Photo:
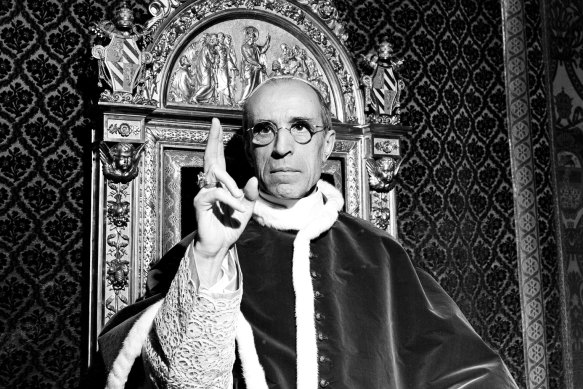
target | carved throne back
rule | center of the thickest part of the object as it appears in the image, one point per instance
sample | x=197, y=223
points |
x=195, y=60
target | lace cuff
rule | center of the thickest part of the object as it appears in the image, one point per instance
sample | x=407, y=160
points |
x=193, y=341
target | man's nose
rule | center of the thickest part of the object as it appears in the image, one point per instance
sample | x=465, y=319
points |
x=283, y=143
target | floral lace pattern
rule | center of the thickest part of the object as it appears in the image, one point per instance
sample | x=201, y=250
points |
x=194, y=341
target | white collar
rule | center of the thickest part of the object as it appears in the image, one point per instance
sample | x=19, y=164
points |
x=297, y=214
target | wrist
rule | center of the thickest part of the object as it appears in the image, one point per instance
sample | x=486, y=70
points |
x=209, y=254
x=208, y=264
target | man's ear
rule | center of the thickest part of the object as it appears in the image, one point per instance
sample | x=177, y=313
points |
x=328, y=146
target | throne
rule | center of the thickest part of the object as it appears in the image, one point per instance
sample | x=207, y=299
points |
x=164, y=81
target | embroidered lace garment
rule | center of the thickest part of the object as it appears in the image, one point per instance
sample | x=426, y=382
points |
x=192, y=343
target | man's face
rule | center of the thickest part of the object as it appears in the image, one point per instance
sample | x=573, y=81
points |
x=285, y=168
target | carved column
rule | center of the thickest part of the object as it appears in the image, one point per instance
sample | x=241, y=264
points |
x=119, y=156
x=382, y=165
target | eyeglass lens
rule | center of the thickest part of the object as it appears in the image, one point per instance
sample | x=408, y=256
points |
x=264, y=132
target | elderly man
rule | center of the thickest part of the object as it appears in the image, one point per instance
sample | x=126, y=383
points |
x=279, y=289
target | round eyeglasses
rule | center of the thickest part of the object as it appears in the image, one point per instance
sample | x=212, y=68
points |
x=263, y=133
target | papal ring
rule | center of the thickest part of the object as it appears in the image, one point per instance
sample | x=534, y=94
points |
x=204, y=183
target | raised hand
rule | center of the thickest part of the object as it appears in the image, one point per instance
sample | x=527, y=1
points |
x=222, y=209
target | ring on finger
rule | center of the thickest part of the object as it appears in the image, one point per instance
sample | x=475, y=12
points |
x=204, y=183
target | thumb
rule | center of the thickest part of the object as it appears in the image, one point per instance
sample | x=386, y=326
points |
x=251, y=190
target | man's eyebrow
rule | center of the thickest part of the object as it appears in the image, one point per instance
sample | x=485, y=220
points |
x=303, y=118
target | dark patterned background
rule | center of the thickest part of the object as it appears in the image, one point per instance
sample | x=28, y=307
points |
x=455, y=199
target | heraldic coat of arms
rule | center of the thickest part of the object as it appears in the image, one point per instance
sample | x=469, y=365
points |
x=121, y=62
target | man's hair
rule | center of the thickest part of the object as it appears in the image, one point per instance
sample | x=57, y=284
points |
x=325, y=112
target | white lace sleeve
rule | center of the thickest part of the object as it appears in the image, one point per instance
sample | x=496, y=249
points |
x=192, y=344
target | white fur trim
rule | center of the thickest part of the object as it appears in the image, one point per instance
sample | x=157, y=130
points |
x=307, y=348
x=311, y=217
x=252, y=369
x=301, y=213
x=306, y=344
x=132, y=348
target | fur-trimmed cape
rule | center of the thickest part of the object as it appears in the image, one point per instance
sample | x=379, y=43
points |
x=357, y=314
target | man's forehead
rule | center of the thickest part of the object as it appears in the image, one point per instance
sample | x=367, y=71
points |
x=283, y=100
x=286, y=94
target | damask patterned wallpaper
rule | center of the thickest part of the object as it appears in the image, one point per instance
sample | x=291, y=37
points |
x=455, y=196
x=455, y=200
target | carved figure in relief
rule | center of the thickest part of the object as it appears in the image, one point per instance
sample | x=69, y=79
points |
x=312, y=72
x=226, y=69
x=182, y=83
x=284, y=59
x=295, y=61
x=276, y=69
x=383, y=85
x=279, y=287
x=205, y=71
x=120, y=162
x=349, y=105
x=253, y=70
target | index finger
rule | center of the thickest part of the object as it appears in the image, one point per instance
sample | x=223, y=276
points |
x=214, y=154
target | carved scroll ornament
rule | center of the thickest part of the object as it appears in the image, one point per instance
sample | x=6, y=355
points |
x=117, y=240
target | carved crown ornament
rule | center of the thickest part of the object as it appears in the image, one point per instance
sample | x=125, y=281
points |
x=212, y=53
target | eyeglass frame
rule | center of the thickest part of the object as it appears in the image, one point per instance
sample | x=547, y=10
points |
x=275, y=130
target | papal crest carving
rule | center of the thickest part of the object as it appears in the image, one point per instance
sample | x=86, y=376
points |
x=122, y=58
x=121, y=62
x=383, y=85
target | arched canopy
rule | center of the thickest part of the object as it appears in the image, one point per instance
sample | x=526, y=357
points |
x=210, y=54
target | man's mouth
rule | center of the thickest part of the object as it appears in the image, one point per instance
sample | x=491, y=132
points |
x=284, y=170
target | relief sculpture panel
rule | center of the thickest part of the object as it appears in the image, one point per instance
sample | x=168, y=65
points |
x=224, y=63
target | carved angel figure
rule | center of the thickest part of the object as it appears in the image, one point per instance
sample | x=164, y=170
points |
x=120, y=162
x=382, y=173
